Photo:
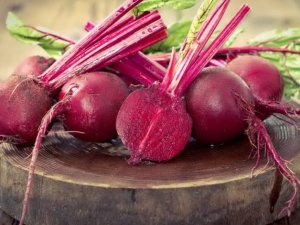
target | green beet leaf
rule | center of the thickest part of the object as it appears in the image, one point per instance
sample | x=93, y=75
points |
x=54, y=45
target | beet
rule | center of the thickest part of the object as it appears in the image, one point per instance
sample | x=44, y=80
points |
x=33, y=65
x=227, y=104
x=28, y=102
x=95, y=50
x=88, y=108
x=23, y=105
x=264, y=79
x=215, y=113
x=96, y=100
x=154, y=125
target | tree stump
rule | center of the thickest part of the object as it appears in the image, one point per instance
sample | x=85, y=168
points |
x=80, y=182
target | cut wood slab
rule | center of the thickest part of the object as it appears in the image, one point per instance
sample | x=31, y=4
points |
x=90, y=183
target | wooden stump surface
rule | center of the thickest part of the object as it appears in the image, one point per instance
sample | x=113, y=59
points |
x=87, y=183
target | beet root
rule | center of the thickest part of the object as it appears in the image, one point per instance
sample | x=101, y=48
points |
x=23, y=104
x=213, y=108
x=33, y=65
x=153, y=125
x=88, y=107
x=94, y=105
x=261, y=141
x=266, y=84
x=221, y=106
x=263, y=78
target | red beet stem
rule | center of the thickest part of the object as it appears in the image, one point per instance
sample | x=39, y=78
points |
x=137, y=41
x=129, y=68
x=56, y=110
x=253, y=50
x=200, y=61
x=152, y=67
x=91, y=37
x=112, y=39
x=171, y=69
x=138, y=66
x=149, y=36
x=165, y=57
x=128, y=19
x=183, y=66
x=89, y=25
x=217, y=62
x=162, y=58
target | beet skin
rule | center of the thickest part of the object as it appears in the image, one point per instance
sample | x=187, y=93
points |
x=217, y=118
x=94, y=105
x=23, y=105
x=263, y=78
x=33, y=65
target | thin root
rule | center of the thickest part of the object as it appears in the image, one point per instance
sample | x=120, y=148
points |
x=257, y=133
x=56, y=110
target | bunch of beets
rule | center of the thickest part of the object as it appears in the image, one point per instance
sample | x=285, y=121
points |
x=191, y=96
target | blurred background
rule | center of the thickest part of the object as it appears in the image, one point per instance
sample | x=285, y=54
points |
x=68, y=18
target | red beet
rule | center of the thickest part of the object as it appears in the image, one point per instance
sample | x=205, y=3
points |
x=266, y=85
x=153, y=124
x=33, y=65
x=223, y=111
x=216, y=116
x=264, y=79
x=22, y=106
x=88, y=107
x=93, y=107
x=23, y=101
